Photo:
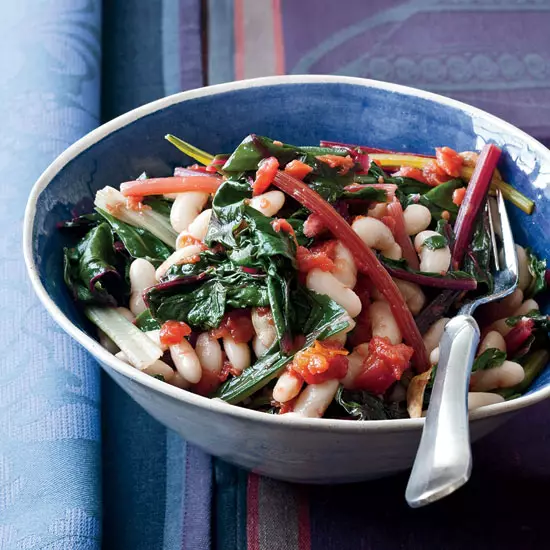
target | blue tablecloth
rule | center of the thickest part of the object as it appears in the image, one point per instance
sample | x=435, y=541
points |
x=82, y=466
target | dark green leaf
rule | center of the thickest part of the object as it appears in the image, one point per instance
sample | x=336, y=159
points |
x=160, y=205
x=367, y=194
x=489, y=359
x=542, y=321
x=477, y=260
x=363, y=405
x=139, y=242
x=537, y=268
x=82, y=223
x=435, y=242
x=318, y=317
x=253, y=149
x=90, y=268
x=145, y=321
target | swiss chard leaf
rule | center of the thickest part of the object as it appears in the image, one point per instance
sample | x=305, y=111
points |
x=537, y=268
x=437, y=199
x=82, y=223
x=363, y=405
x=542, y=321
x=253, y=149
x=316, y=316
x=138, y=242
x=477, y=260
x=145, y=321
x=90, y=269
x=202, y=304
x=435, y=242
x=160, y=205
x=489, y=359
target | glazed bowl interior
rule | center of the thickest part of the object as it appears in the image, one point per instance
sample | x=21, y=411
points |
x=298, y=110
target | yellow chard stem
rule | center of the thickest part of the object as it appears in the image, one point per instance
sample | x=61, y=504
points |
x=190, y=150
x=509, y=193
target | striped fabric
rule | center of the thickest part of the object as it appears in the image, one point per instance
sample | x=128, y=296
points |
x=494, y=54
x=156, y=489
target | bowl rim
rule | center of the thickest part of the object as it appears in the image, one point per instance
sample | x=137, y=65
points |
x=213, y=405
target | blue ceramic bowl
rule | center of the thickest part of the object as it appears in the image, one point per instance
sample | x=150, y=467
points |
x=301, y=110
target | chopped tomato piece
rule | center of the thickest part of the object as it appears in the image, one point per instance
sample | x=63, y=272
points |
x=186, y=239
x=449, y=161
x=298, y=169
x=265, y=174
x=446, y=215
x=410, y=172
x=227, y=369
x=384, y=365
x=308, y=260
x=434, y=174
x=335, y=161
x=173, y=332
x=321, y=362
x=458, y=195
x=237, y=324
x=280, y=224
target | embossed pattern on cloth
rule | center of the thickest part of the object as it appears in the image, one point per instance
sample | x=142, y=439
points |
x=49, y=387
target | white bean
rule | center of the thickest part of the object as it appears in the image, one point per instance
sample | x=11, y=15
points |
x=264, y=327
x=345, y=269
x=160, y=368
x=434, y=334
x=198, y=228
x=506, y=376
x=355, y=365
x=209, y=352
x=142, y=276
x=378, y=211
x=413, y=295
x=258, y=348
x=177, y=257
x=417, y=218
x=526, y=307
x=186, y=361
x=377, y=235
x=434, y=356
x=268, y=203
x=432, y=261
x=383, y=322
x=326, y=283
x=179, y=381
x=186, y=208
x=492, y=340
x=502, y=308
x=481, y=399
x=341, y=337
x=288, y=386
x=524, y=275
x=315, y=399
x=238, y=354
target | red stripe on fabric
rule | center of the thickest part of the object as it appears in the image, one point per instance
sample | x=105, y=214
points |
x=238, y=24
x=253, y=512
x=304, y=525
x=278, y=37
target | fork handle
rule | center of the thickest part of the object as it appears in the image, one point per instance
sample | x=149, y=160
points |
x=444, y=459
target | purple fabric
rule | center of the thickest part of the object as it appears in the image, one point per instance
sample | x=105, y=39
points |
x=494, y=54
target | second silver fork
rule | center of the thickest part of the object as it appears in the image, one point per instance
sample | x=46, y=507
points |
x=443, y=461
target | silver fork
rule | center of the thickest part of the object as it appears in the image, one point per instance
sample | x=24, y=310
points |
x=444, y=459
